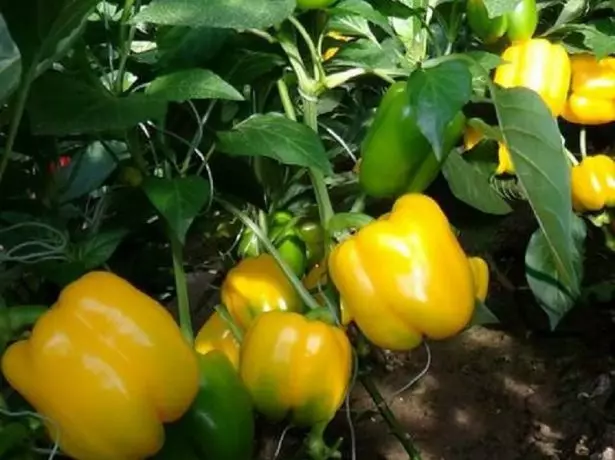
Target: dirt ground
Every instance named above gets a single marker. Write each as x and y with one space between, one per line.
507 392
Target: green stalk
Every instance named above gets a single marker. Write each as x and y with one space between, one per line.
402 436
271 249
181 286
19 317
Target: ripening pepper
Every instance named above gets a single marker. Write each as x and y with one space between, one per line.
215 334
593 184
518 24
539 65
257 285
315 281
109 366
405 276
295 367
592 98
396 158
472 137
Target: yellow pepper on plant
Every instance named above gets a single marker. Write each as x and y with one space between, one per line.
472 137
106 366
592 98
405 276
593 184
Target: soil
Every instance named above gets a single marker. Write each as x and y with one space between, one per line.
506 392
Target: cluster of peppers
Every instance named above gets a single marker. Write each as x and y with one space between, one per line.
114 378
579 87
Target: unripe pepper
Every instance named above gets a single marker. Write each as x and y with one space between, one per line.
472 137
257 285
215 334
592 98
539 65
593 184
518 24
108 365
295 367
314 4
396 158
405 276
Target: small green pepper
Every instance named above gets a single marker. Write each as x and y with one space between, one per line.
518 24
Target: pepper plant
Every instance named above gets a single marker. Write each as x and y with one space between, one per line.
295 149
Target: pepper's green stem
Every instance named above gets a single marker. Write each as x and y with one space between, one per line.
228 319
309 301
316 447
402 436
17 318
181 286
289 109
583 142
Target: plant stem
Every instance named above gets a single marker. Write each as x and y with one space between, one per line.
299 287
125 43
402 436
583 142
319 72
20 105
289 109
181 286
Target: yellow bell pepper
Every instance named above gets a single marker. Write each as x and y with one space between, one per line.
216 335
405 276
480 274
592 98
316 277
539 65
108 366
295 366
593 184
256 285
472 137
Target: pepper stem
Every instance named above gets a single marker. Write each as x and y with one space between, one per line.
183 302
316 446
228 319
583 142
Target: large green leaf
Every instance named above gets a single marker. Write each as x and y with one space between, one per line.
97 249
599 36
436 95
277 137
471 186
192 84
237 14
362 9
555 296
63 105
10 62
45 30
178 200
369 55
188 47
535 145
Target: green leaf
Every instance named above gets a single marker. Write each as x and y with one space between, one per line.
275 136
554 294
472 187
362 9
61 105
238 14
484 63
96 250
192 84
12 436
499 7
436 96
186 47
89 169
572 10
10 62
178 200
369 55
351 25
45 30
244 66
482 315
599 37
535 145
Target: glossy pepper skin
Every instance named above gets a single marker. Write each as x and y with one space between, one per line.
592 98
109 365
405 276
257 285
295 367
220 422
216 335
539 65
518 24
472 137
396 158
593 184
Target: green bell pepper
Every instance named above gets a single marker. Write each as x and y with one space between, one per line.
220 423
396 158
518 24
